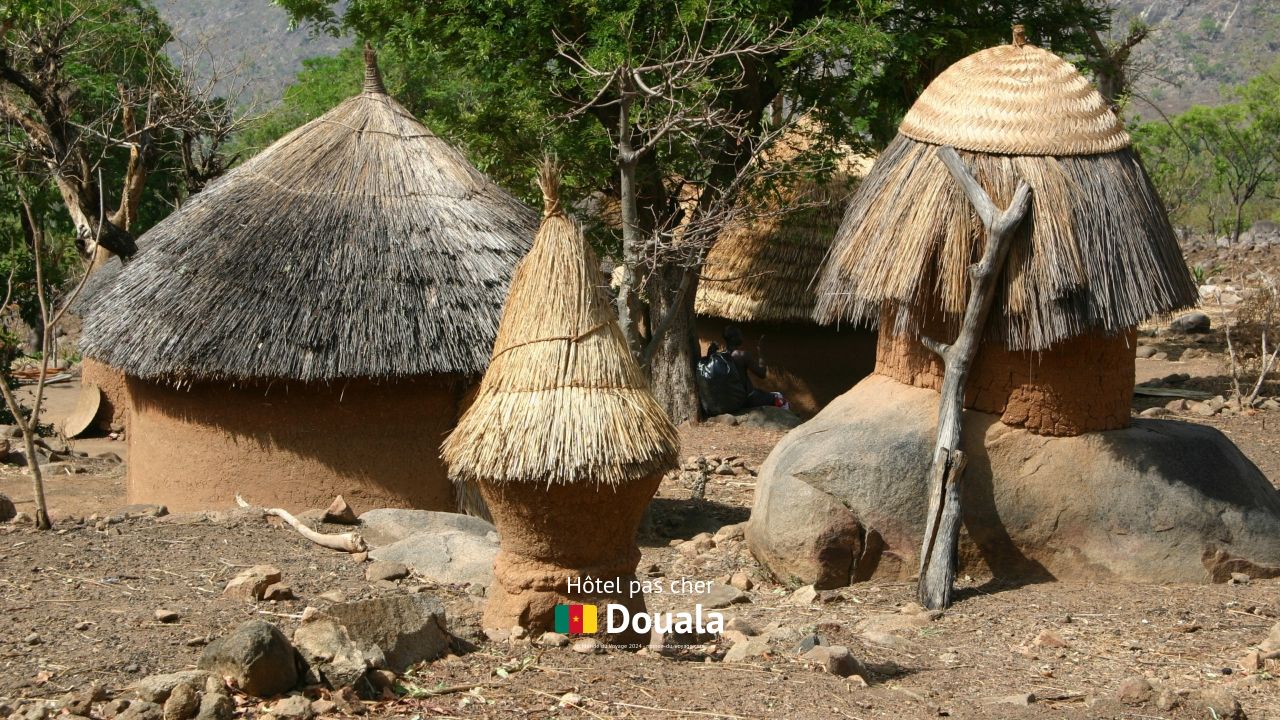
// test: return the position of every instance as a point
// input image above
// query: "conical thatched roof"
(761, 267)
(1096, 254)
(563, 400)
(358, 246)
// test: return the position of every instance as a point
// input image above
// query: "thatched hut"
(564, 439)
(1096, 257)
(759, 276)
(308, 325)
(1061, 482)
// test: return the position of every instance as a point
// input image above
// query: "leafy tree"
(490, 74)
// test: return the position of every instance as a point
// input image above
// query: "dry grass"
(358, 246)
(563, 401)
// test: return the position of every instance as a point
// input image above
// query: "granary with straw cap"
(1008, 243)
(310, 323)
(564, 439)
(758, 276)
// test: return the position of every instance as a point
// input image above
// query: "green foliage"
(1218, 166)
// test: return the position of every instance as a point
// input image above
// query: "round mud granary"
(309, 324)
(564, 439)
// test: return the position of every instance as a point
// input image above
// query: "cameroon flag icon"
(576, 619)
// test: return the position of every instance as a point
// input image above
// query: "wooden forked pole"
(942, 526)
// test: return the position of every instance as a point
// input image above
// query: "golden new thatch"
(563, 400)
(360, 245)
(761, 268)
(1096, 254)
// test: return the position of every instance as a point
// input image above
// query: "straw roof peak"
(563, 401)
(372, 75)
(360, 245)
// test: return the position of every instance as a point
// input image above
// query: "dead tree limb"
(350, 542)
(942, 526)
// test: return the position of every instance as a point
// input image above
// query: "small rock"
(1204, 409)
(1146, 351)
(167, 616)
(340, 513)
(405, 629)
(82, 625)
(1155, 412)
(726, 469)
(552, 639)
(741, 626)
(256, 656)
(1220, 704)
(1252, 661)
(331, 656)
(32, 639)
(183, 703)
(216, 706)
(727, 533)
(250, 584)
(587, 646)
(570, 699)
(806, 595)
(1191, 323)
(332, 596)
(359, 557)
(1239, 578)
(722, 596)
(1177, 405)
(724, 419)
(385, 570)
(294, 707)
(753, 647)
(1134, 690)
(142, 710)
(157, 688)
(741, 580)
(323, 707)
(807, 643)
(696, 545)
(278, 592)
(1049, 638)
(7, 510)
(836, 659)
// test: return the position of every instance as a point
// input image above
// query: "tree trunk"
(942, 524)
(671, 368)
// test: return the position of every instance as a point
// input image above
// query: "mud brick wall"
(1081, 385)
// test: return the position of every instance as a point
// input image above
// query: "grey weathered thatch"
(360, 245)
(563, 400)
(1097, 252)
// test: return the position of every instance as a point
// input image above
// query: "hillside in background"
(250, 38)
(1196, 47)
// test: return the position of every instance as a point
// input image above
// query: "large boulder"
(398, 631)
(451, 557)
(256, 656)
(842, 498)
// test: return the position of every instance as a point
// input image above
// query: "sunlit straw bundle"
(1097, 253)
(563, 400)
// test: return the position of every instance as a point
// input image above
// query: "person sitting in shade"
(725, 377)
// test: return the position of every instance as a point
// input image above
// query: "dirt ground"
(77, 606)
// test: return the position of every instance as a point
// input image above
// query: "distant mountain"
(1196, 47)
(250, 38)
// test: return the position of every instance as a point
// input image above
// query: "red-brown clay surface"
(292, 445)
(1081, 385)
(114, 409)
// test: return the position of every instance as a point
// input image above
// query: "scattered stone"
(278, 592)
(836, 659)
(722, 596)
(167, 616)
(183, 703)
(1220, 704)
(1134, 690)
(753, 647)
(1272, 643)
(256, 656)
(1146, 351)
(1155, 412)
(216, 706)
(741, 580)
(1167, 700)
(587, 646)
(323, 707)
(552, 639)
(1191, 323)
(251, 584)
(142, 710)
(696, 545)
(138, 510)
(1177, 405)
(1271, 404)
(332, 657)
(730, 532)
(1252, 661)
(340, 513)
(332, 596)
(294, 707)
(22, 518)
(769, 418)
(803, 596)
(359, 558)
(7, 510)
(570, 699)
(723, 419)
(726, 469)
(407, 629)
(157, 688)
(385, 570)
(807, 643)
(1049, 638)
(82, 625)
(32, 639)
(740, 625)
